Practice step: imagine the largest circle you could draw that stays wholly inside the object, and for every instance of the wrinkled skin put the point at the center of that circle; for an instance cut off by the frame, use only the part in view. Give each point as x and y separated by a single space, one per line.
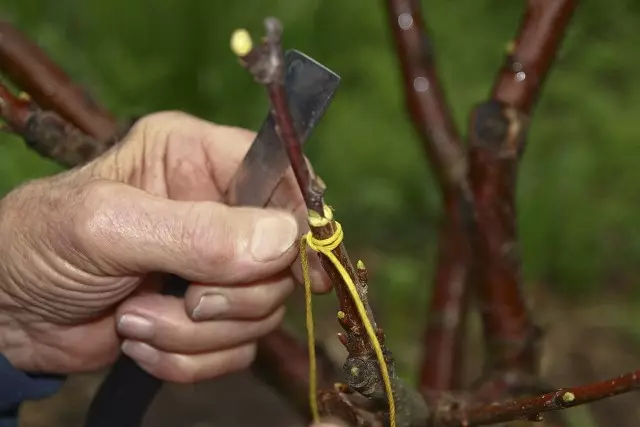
81 250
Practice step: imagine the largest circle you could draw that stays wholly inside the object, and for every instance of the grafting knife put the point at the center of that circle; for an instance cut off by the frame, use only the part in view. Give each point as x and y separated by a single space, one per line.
127 391
310 88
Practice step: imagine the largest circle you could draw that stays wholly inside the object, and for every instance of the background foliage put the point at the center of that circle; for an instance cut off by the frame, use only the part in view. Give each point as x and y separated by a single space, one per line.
578 190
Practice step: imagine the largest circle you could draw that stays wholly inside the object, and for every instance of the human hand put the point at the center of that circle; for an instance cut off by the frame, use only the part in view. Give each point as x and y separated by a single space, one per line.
81 250
329 422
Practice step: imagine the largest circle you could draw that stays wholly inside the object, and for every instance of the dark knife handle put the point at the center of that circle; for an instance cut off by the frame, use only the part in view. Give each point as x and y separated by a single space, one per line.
127 392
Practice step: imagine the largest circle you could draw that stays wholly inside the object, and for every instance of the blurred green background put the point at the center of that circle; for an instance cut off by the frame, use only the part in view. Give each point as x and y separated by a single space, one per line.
578 189
578 194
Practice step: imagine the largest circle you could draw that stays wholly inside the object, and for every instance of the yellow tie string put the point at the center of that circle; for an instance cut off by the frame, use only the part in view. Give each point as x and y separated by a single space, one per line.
326 247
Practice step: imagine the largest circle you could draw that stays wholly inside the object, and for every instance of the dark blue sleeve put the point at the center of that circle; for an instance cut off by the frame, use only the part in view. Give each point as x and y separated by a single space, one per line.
17 386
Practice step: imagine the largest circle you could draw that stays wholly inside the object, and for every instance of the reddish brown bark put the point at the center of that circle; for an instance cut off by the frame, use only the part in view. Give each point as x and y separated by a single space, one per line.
496 142
532 53
441 363
47 133
425 100
533 407
14 110
29 67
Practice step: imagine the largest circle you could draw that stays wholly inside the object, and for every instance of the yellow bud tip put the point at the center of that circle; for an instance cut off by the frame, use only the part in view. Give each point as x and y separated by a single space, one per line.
511 46
568 397
241 43
24 96
341 315
360 265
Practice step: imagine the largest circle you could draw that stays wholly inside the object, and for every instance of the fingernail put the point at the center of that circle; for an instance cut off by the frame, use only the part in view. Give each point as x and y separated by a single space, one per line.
140 352
273 236
136 327
210 306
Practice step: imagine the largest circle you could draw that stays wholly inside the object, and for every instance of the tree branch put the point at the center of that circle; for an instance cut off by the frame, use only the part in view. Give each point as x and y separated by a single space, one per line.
425 100
497 139
361 369
531 407
47 133
531 55
15 110
265 62
441 363
29 67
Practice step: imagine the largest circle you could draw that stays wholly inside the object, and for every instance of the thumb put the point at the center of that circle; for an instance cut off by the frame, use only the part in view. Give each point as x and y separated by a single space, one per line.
123 231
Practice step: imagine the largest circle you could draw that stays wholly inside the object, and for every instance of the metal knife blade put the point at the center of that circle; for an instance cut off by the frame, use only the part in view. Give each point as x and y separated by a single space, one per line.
310 88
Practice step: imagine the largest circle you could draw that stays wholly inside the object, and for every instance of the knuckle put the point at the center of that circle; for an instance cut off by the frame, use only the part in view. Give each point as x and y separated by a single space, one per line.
92 208
242 359
188 370
152 130
89 358
261 302
267 299
158 120
188 337
210 236
158 127
275 318
181 369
